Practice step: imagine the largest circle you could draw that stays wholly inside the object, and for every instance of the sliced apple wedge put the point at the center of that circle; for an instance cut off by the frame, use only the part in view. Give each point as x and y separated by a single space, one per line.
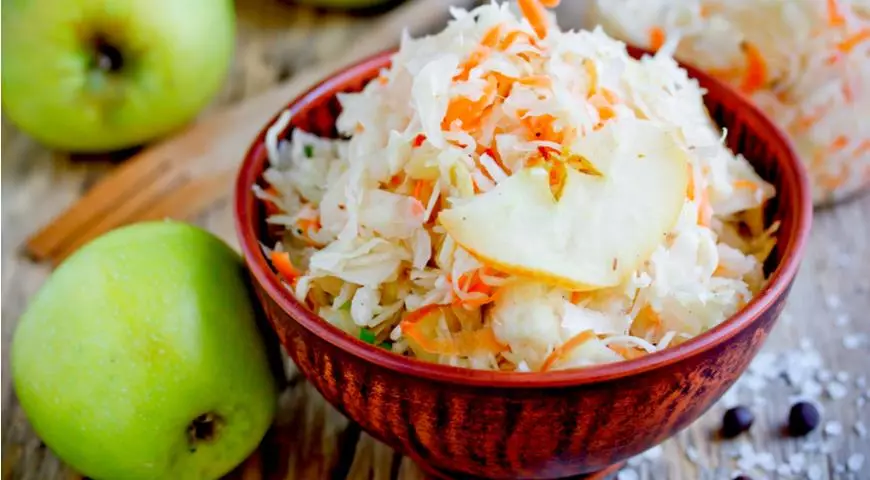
600 229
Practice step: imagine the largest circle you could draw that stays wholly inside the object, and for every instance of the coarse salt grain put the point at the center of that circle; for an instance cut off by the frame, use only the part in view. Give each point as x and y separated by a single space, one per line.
811 389
855 462
833 428
861 381
653 453
832 301
627 474
811 447
853 341
842 376
824 375
860 429
842 320
766 461
836 390
815 472
797 462
783 470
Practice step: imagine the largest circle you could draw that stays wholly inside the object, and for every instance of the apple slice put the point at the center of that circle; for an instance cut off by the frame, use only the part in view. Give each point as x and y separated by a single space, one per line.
601 228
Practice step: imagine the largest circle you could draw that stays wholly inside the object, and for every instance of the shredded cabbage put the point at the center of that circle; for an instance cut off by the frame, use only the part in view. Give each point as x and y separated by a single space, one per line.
806 63
457 113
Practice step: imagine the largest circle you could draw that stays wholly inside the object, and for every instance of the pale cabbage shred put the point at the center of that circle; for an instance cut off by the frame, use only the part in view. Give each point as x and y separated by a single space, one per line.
375 252
819 94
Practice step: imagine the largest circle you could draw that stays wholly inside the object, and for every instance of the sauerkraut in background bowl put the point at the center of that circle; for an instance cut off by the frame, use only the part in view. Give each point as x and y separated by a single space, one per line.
806 63
508 196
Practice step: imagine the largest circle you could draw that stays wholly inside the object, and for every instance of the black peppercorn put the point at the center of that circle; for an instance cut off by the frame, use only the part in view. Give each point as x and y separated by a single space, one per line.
802 419
736 421
742 477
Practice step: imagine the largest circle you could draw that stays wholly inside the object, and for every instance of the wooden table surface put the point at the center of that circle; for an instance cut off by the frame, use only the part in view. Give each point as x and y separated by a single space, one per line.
310 440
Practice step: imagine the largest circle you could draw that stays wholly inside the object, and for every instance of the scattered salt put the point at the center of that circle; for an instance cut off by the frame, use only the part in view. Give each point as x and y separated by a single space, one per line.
810 389
766 461
836 390
815 472
844 260
832 301
833 428
853 341
839 469
860 401
783 470
860 429
842 320
811 447
797 462
842 376
855 462
653 453
861 381
627 474
824 375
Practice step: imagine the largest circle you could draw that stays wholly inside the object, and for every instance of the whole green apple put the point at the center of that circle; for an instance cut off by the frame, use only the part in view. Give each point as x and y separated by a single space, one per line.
140 357
100 75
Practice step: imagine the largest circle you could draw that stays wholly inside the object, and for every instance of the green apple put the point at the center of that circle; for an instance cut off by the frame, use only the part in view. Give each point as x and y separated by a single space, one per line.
140 357
100 75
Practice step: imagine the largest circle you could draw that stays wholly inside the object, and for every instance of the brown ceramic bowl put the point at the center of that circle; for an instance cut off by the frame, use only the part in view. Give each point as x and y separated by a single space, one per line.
462 422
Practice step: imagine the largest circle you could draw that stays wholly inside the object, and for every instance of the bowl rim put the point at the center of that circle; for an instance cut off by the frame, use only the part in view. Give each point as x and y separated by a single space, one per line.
798 205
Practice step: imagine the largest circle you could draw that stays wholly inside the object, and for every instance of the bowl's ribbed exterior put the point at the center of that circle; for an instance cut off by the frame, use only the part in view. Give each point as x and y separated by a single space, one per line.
518 432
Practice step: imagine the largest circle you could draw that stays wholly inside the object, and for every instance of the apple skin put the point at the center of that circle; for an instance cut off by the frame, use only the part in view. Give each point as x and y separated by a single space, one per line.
132 338
174 56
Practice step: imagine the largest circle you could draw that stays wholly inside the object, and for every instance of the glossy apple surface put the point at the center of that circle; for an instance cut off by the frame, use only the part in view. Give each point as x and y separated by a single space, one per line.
99 75
140 357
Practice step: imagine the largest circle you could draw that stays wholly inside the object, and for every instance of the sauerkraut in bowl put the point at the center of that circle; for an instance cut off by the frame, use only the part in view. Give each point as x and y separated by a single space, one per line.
805 63
508 196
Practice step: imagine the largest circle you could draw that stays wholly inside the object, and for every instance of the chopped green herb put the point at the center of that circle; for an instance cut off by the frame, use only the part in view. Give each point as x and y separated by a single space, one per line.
367 335
308 150
345 306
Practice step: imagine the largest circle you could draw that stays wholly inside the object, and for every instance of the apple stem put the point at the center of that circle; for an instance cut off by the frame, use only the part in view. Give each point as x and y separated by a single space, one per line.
108 57
203 428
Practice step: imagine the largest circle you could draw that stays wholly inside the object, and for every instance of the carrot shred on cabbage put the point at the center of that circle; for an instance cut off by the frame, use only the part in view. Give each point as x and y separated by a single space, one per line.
281 262
656 38
419 139
756 68
839 143
559 352
746 184
462 343
705 211
835 17
536 14
492 36
853 41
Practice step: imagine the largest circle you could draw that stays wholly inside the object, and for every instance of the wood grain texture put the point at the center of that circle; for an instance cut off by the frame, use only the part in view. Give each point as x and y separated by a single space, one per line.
310 440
